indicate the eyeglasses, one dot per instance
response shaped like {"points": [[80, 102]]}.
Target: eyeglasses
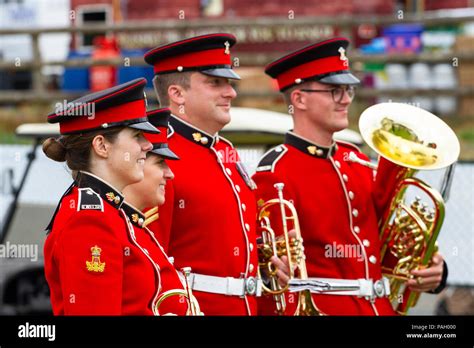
{"points": [[337, 93]]}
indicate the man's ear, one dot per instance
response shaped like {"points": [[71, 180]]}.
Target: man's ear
{"points": [[298, 99], [176, 94], [100, 146]]}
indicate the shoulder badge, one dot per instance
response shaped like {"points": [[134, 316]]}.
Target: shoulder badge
{"points": [[89, 200], [270, 159], [94, 265]]}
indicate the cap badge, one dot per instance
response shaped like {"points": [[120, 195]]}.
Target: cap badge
{"points": [[94, 265], [227, 46], [342, 53]]}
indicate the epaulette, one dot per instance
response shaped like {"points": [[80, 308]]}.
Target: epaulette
{"points": [[348, 145], [89, 200], [270, 159]]}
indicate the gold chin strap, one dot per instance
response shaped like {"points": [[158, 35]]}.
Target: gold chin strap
{"points": [[151, 216]]}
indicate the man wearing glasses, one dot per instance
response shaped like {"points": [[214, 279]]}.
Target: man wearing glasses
{"points": [[333, 196]]}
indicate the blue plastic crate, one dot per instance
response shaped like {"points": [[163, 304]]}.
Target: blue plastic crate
{"points": [[76, 79], [403, 38], [128, 73]]}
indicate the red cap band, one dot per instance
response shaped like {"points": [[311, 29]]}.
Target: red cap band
{"points": [[310, 69], [158, 138], [194, 60]]}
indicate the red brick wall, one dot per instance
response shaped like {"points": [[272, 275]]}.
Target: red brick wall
{"points": [[166, 9], [169, 9], [442, 4]]}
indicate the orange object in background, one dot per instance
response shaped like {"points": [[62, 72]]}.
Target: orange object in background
{"points": [[103, 76]]}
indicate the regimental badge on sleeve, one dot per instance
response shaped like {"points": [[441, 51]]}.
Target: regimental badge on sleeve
{"points": [[95, 265], [243, 172]]}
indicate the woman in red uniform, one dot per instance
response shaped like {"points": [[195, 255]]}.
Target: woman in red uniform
{"points": [[94, 265], [150, 192]]}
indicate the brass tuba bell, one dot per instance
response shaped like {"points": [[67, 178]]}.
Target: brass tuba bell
{"points": [[415, 140], [273, 245]]}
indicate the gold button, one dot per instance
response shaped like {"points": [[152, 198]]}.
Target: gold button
{"points": [[351, 195], [204, 140], [228, 171], [244, 207], [237, 187], [345, 178], [366, 243], [373, 259], [355, 212], [251, 246], [247, 227], [356, 229], [251, 268], [337, 163]]}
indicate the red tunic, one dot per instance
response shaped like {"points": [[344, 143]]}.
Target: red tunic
{"points": [[95, 260], [208, 219], [333, 198]]}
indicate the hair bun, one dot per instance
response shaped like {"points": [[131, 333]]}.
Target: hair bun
{"points": [[53, 148]]}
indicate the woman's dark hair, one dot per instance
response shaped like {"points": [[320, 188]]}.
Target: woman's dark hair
{"points": [[75, 149]]}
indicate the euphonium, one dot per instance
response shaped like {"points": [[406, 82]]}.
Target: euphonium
{"points": [[193, 305], [273, 245], [414, 139]]}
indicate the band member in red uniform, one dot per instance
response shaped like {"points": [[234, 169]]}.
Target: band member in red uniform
{"points": [[150, 192], [208, 220], [333, 196], [94, 262]]}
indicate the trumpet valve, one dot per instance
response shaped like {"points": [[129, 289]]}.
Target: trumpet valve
{"points": [[430, 215], [416, 203]]}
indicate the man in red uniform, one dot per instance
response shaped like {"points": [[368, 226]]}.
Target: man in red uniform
{"points": [[208, 219], [332, 195]]}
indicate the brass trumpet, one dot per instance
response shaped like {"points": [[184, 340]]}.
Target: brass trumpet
{"points": [[283, 245], [193, 305], [405, 135]]}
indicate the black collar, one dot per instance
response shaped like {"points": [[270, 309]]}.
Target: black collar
{"points": [[192, 133], [309, 148], [102, 188], [136, 216]]}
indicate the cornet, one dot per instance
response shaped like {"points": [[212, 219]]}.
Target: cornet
{"points": [[283, 245]]}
